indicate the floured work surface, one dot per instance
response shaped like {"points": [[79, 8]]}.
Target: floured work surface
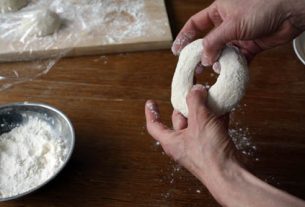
{"points": [[91, 28]]}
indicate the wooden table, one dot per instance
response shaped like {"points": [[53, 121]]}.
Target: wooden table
{"points": [[116, 163]]}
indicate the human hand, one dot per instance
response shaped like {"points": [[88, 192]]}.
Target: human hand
{"points": [[201, 142], [202, 145], [251, 25]]}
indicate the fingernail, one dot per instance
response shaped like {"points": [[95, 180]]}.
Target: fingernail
{"points": [[181, 41], [198, 87], [175, 49], [152, 107], [199, 68], [178, 44], [204, 59], [217, 67]]}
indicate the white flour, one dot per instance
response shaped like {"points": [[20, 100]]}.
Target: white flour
{"points": [[29, 155]]}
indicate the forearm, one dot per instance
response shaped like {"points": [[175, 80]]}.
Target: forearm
{"points": [[233, 186]]}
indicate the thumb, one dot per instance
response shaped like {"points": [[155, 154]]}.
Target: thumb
{"points": [[196, 102], [215, 40]]}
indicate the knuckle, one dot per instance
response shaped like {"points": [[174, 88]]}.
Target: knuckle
{"points": [[206, 43], [204, 112], [191, 98], [191, 20], [193, 94], [201, 115], [173, 146]]}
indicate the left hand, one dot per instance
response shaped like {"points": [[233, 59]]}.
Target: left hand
{"points": [[199, 143]]}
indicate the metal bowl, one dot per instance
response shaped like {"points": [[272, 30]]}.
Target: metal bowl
{"points": [[12, 115], [299, 47]]}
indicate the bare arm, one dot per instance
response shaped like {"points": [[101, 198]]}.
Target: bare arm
{"points": [[236, 187], [202, 145]]}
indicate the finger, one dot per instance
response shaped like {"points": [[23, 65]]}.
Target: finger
{"points": [[215, 16], [192, 29], [285, 34], [199, 68], [217, 67], [153, 123], [249, 48], [179, 121], [196, 102], [215, 40]]}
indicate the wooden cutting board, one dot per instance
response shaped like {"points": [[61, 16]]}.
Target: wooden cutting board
{"points": [[116, 26]]}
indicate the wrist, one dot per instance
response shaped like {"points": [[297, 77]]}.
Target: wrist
{"points": [[220, 170], [222, 181], [215, 160], [233, 186]]}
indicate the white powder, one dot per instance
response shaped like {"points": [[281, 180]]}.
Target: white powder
{"points": [[29, 155]]}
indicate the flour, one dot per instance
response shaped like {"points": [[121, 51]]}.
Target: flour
{"points": [[229, 88], [29, 155], [40, 23], [12, 5]]}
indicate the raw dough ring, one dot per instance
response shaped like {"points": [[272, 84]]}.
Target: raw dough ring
{"points": [[229, 88]]}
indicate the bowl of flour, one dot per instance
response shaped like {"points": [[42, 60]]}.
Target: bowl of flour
{"points": [[36, 142]]}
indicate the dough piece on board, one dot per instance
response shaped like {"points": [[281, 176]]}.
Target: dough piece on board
{"points": [[12, 5], [229, 88], [81, 2], [39, 23]]}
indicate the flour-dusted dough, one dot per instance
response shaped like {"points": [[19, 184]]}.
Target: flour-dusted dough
{"points": [[80, 2], [229, 87], [39, 23], [12, 5]]}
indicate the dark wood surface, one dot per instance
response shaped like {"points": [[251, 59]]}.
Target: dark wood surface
{"points": [[116, 163]]}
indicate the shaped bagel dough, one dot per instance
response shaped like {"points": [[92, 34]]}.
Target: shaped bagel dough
{"points": [[229, 88], [39, 23], [12, 5]]}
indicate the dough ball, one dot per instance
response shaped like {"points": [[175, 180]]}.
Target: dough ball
{"points": [[12, 5], [40, 23], [229, 88]]}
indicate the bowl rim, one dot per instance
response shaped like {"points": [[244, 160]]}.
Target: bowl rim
{"points": [[296, 50], [70, 152]]}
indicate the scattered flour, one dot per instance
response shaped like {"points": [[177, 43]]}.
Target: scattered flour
{"points": [[114, 21], [243, 142], [29, 155]]}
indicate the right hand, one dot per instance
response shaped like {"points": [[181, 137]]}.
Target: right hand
{"points": [[251, 25], [201, 142]]}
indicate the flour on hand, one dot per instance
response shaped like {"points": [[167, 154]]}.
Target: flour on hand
{"points": [[229, 87]]}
